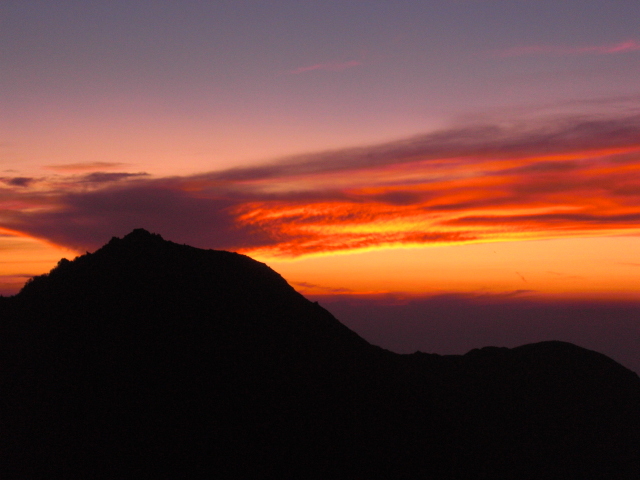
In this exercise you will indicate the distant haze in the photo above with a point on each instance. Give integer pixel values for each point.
(455, 324)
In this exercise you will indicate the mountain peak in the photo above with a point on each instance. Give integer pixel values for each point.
(153, 281)
(139, 236)
(158, 358)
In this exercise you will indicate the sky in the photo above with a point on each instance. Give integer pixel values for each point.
(482, 154)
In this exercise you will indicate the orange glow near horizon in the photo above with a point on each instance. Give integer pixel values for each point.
(593, 268)
(533, 225)
(553, 223)
(28, 257)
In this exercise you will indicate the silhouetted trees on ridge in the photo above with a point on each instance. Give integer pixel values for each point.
(151, 359)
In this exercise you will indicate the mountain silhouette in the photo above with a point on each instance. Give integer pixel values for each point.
(150, 359)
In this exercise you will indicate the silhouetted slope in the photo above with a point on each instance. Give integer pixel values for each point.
(148, 358)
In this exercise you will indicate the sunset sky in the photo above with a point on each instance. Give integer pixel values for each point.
(371, 152)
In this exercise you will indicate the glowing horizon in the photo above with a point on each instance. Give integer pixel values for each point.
(573, 182)
(353, 146)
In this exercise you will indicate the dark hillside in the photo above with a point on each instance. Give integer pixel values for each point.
(153, 359)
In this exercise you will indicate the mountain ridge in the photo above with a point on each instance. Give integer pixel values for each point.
(193, 358)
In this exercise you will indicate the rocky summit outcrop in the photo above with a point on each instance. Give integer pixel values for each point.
(149, 359)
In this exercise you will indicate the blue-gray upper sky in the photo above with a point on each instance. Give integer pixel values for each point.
(189, 86)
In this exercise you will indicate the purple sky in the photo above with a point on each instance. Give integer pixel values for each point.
(176, 87)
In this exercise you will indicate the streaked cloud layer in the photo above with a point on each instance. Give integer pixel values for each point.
(626, 46)
(549, 178)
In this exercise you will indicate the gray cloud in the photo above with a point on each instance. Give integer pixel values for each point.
(88, 220)
(551, 135)
(105, 177)
(18, 181)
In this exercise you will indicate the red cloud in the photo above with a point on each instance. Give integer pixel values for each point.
(557, 178)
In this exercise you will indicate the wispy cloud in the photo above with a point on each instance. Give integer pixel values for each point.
(17, 181)
(572, 176)
(86, 166)
(106, 177)
(306, 288)
(528, 50)
(328, 67)
(565, 276)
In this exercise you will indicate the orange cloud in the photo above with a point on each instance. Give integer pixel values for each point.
(558, 178)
